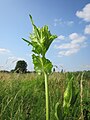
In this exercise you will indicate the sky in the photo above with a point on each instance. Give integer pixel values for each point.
(68, 19)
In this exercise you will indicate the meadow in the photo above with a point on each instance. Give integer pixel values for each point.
(22, 96)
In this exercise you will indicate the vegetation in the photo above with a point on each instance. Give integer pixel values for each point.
(22, 96)
(21, 67)
(40, 40)
(69, 102)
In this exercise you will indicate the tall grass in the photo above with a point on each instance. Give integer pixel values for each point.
(22, 96)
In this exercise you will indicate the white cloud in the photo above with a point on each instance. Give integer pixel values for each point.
(62, 22)
(73, 36)
(57, 22)
(68, 46)
(86, 66)
(87, 29)
(3, 50)
(84, 13)
(68, 52)
(77, 38)
(61, 37)
(14, 59)
(76, 43)
(68, 49)
(8, 60)
(11, 62)
(70, 23)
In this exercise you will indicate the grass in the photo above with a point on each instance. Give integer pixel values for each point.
(22, 96)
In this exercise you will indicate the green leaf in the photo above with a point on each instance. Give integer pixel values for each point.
(27, 41)
(31, 19)
(75, 94)
(41, 64)
(42, 37)
(59, 111)
(68, 95)
(40, 40)
(47, 65)
(37, 64)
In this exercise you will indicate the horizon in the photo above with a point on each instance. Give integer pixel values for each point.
(69, 20)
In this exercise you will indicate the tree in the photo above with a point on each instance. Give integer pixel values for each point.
(21, 66)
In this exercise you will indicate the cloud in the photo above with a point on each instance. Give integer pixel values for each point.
(73, 36)
(61, 37)
(62, 22)
(76, 43)
(8, 60)
(57, 21)
(68, 52)
(3, 50)
(70, 23)
(11, 62)
(68, 46)
(86, 66)
(84, 13)
(77, 38)
(14, 59)
(87, 29)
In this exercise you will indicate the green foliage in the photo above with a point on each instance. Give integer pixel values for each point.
(21, 66)
(41, 64)
(69, 101)
(40, 40)
(68, 94)
(59, 111)
(22, 97)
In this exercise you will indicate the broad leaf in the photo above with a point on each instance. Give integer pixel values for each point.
(42, 37)
(40, 40)
(41, 64)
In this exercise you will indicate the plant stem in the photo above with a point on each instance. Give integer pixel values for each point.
(81, 95)
(47, 96)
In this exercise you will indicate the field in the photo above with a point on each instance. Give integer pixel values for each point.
(22, 96)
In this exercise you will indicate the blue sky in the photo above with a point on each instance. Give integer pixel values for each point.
(68, 19)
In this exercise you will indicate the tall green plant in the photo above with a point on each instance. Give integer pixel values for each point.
(70, 99)
(40, 40)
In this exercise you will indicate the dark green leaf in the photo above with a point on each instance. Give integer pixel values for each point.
(27, 41)
(75, 94)
(31, 19)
